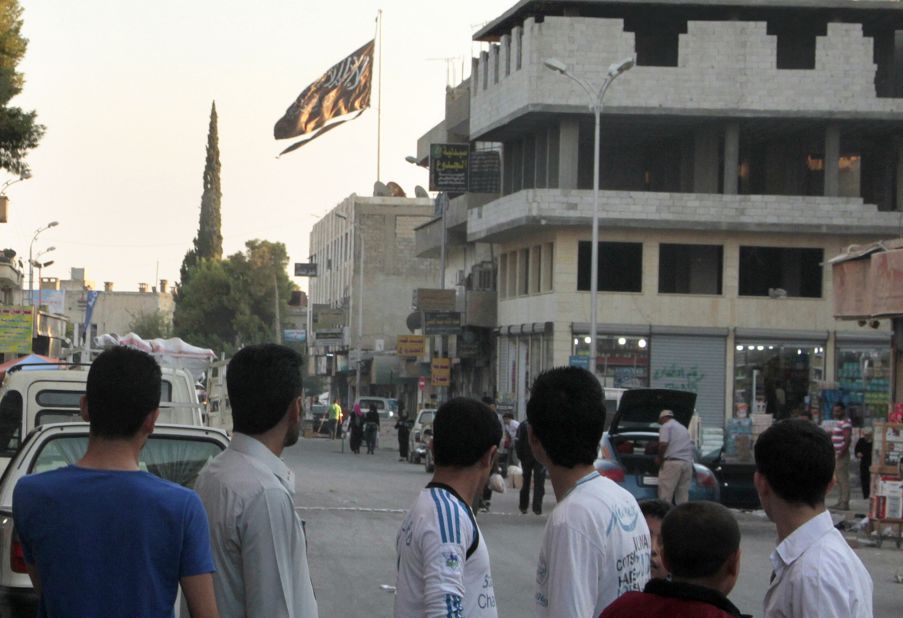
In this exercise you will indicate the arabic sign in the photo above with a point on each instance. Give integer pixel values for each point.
(426, 299)
(448, 167)
(294, 335)
(485, 172)
(305, 269)
(325, 317)
(330, 336)
(409, 345)
(440, 372)
(16, 329)
(441, 322)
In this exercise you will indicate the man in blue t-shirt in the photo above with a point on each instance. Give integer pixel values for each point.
(101, 537)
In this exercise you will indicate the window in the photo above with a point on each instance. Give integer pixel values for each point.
(779, 271)
(535, 268)
(657, 40)
(523, 266)
(796, 42)
(690, 269)
(620, 266)
(512, 274)
(546, 285)
(10, 423)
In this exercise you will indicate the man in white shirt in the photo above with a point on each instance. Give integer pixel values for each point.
(596, 544)
(816, 574)
(257, 539)
(675, 459)
(443, 561)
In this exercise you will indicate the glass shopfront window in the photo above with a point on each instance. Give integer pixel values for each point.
(777, 378)
(864, 378)
(621, 361)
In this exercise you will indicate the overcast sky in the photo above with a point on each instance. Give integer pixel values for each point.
(124, 88)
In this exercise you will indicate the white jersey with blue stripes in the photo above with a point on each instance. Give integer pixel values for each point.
(443, 561)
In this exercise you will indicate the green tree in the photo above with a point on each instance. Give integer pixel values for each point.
(19, 130)
(151, 325)
(208, 244)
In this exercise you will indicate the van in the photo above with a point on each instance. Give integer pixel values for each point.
(386, 408)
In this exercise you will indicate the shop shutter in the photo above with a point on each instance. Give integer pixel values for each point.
(693, 363)
(504, 369)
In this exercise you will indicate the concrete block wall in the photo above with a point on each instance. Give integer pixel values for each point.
(722, 66)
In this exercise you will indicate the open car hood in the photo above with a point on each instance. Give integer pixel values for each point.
(640, 407)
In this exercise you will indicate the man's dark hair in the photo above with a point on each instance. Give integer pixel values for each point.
(487, 400)
(567, 415)
(796, 457)
(262, 381)
(697, 538)
(463, 430)
(123, 388)
(508, 415)
(655, 508)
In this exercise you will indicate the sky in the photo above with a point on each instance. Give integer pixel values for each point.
(124, 88)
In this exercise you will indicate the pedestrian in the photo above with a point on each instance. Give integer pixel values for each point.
(248, 491)
(403, 426)
(371, 428)
(701, 549)
(841, 437)
(815, 571)
(863, 452)
(484, 500)
(102, 537)
(596, 543)
(507, 456)
(654, 511)
(532, 471)
(675, 459)
(356, 429)
(335, 418)
(443, 560)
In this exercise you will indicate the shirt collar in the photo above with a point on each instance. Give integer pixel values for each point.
(691, 592)
(256, 450)
(799, 541)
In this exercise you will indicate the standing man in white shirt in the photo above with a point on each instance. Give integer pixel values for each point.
(443, 561)
(257, 539)
(596, 543)
(816, 574)
(675, 460)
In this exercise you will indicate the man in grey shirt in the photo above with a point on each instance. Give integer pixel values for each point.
(257, 540)
(675, 458)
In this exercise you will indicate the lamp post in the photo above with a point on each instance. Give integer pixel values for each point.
(360, 308)
(595, 104)
(31, 257)
(41, 266)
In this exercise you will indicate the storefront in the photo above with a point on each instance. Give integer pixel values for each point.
(524, 351)
(622, 353)
(863, 374)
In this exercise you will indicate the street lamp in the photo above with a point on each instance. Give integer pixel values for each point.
(31, 257)
(595, 104)
(360, 307)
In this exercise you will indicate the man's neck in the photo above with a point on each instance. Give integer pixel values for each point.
(565, 479)
(465, 481)
(111, 454)
(712, 583)
(789, 517)
(274, 440)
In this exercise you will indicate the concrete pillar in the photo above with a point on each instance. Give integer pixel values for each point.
(705, 161)
(568, 153)
(832, 160)
(731, 157)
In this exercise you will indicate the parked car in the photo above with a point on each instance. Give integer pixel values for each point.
(735, 481)
(173, 452)
(385, 407)
(416, 445)
(628, 450)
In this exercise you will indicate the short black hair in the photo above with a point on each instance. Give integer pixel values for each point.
(487, 400)
(567, 415)
(508, 415)
(796, 457)
(697, 538)
(123, 388)
(262, 381)
(463, 430)
(654, 508)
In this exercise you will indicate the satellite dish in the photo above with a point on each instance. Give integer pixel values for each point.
(413, 321)
(420, 192)
(380, 189)
(395, 189)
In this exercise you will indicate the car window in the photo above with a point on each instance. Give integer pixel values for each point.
(165, 391)
(426, 417)
(175, 459)
(10, 423)
(365, 404)
(62, 399)
(45, 417)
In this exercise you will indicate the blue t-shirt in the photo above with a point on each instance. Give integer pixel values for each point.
(110, 543)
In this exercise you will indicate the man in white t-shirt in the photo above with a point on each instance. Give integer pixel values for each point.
(443, 561)
(596, 544)
(675, 459)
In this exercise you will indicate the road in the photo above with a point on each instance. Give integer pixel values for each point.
(353, 505)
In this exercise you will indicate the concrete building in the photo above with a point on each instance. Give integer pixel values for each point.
(751, 142)
(367, 271)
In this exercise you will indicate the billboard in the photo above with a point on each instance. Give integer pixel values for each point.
(448, 167)
(440, 372)
(428, 299)
(441, 322)
(305, 269)
(326, 318)
(16, 325)
(410, 345)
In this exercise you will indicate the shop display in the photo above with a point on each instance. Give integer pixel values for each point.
(865, 379)
(886, 503)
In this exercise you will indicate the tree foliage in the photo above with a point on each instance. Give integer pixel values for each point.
(151, 325)
(19, 130)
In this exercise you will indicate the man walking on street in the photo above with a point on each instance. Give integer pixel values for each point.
(257, 539)
(443, 561)
(335, 418)
(102, 537)
(532, 470)
(596, 543)
(675, 459)
(815, 571)
(841, 437)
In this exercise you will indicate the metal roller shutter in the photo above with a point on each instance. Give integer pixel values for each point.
(692, 363)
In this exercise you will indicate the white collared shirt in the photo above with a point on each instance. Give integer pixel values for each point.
(256, 537)
(817, 575)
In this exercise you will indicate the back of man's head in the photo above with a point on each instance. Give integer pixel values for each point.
(123, 388)
(567, 415)
(796, 457)
(463, 430)
(654, 507)
(698, 538)
(262, 381)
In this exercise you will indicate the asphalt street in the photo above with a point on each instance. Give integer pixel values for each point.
(352, 506)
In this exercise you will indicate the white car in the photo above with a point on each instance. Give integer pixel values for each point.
(416, 444)
(173, 452)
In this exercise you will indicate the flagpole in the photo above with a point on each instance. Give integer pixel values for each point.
(379, 91)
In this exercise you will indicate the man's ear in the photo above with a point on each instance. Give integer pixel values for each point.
(663, 558)
(732, 564)
(294, 410)
(150, 421)
(761, 484)
(83, 407)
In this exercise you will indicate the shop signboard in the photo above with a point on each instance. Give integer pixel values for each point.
(448, 167)
(16, 325)
(327, 318)
(579, 361)
(440, 372)
(426, 299)
(485, 172)
(410, 345)
(441, 322)
(294, 335)
(305, 269)
(330, 336)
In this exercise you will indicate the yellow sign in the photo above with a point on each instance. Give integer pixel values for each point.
(16, 325)
(440, 372)
(409, 345)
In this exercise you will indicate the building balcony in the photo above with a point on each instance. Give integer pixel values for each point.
(10, 276)
(428, 237)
